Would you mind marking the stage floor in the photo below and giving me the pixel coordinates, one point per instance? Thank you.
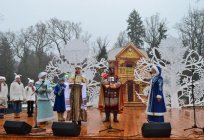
(131, 121)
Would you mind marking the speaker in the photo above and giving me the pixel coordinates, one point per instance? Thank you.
(17, 127)
(156, 129)
(66, 129)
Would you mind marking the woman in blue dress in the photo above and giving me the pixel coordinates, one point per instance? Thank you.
(59, 104)
(156, 104)
(44, 106)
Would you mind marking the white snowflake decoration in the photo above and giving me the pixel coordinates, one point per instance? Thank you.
(177, 63)
(77, 53)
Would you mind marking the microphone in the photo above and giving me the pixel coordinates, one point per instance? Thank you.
(75, 78)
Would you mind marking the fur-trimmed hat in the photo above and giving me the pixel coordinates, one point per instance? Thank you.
(2, 78)
(42, 74)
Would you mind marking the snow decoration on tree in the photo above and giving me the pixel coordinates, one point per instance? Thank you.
(180, 65)
(77, 53)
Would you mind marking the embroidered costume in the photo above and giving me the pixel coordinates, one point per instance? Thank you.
(156, 104)
(59, 104)
(77, 98)
(110, 98)
(43, 89)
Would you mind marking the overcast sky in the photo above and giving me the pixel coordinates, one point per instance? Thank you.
(98, 17)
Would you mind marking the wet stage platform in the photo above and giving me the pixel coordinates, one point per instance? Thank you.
(131, 121)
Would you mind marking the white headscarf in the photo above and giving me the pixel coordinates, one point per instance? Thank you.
(156, 69)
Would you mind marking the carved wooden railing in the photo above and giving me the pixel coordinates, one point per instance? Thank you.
(126, 71)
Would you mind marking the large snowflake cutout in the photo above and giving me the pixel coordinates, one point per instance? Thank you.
(77, 53)
(177, 63)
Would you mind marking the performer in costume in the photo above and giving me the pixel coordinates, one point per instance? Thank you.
(101, 102)
(17, 95)
(59, 104)
(156, 104)
(43, 89)
(77, 112)
(110, 88)
(30, 96)
(3, 96)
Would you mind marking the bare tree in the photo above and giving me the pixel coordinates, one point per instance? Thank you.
(34, 45)
(102, 44)
(19, 42)
(77, 30)
(155, 30)
(86, 37)
(192, 30)
(7, 61)
(122, 40)
(60, 32)
(10, 37)
(39, 40)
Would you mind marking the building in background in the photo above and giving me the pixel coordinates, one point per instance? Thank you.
(124, 60)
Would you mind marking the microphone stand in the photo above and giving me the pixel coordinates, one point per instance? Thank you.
(36, 128)
(194, 111)
(110, 128)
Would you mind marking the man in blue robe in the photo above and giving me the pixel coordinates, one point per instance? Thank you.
(156, 104)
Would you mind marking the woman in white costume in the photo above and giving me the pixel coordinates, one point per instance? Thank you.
(3, 96)
(17, 95)
(30, 96)
(44, 105)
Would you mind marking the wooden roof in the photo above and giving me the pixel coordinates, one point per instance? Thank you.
(116, 52)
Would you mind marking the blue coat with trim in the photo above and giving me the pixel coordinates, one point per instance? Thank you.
(59, 104)
(154, 107)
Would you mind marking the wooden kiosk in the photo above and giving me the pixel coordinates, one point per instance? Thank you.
(124, 60)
